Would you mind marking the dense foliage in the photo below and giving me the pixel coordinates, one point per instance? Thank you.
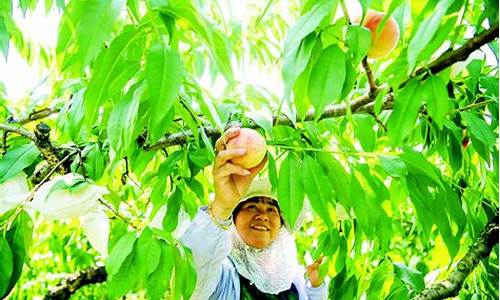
(395, 158)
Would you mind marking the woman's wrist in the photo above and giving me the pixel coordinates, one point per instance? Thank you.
(223, 223)
(220, 211)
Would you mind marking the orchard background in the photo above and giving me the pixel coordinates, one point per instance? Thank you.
(396, 157)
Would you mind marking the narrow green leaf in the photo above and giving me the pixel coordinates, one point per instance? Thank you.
(148, 252)
(216, 43)
(173, 206)
(422, 205)
(6, 266)
(382, 274)
(159, 281)
(121, 123)
(119, 253)
(436, 97)
(318, 188)
(290, 189)
(393, 165)
(125, 279)
(114, 68)
(339, 178)
(479, 129)
(425, 32)
(296, 61)
(4, 38)
(307, 23)
(364, 131)
(417, 164)
(92, 21)
(350, 79)
(441, 36)
(359, 40)
(167, 167)
(404, 115)
(164, 74)
(19, 237)
(410, 276)
(16, 159)
(327, 78)
(94, 162)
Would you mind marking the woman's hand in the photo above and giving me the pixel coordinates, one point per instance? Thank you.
(231, 181)
(312, 272)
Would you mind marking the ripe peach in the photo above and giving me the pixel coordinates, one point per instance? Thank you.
(387, 38)
(253, 142)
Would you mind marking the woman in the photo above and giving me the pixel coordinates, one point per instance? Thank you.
(255, 258)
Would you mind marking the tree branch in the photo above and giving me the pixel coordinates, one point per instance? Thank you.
(363, 104)
(18, 130)
(76, 281)
(478, 251)
(36, 115)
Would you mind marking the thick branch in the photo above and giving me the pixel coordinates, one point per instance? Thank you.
(479, 250)
(449, 58)
(357, 105)
(78, 280)
(51, 154)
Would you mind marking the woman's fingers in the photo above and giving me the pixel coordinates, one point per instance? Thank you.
(230, 169)
(226, 155)
(232, 132)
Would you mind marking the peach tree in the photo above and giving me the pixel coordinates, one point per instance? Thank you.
(393, 159)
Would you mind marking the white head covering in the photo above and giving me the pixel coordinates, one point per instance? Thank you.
(271, 269)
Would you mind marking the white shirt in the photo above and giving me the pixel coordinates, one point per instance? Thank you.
(217, 277)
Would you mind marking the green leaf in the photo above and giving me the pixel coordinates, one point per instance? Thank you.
(318, 188)
(170, 219)
(393, 165)
(307, 23)
(148, 252)
(411, 277)
(20, 237)
(6, 266)
(167, 167)
(296, 61)
(382, 274)
(425, 32)
(4, 38)
(417, 164)
(121, 123)
(16, 159)
(479, 129)
(422, 205)
(350, 78)
(339, 178)
(216, 43)
(442, 35)
(92, 21)
(125, 279)
(359, 40)
(94, 162)
(290, 189)
(159, 280)
(114, 67)
(119, 253)
(164, 74)
(327, 78)
(364, 131)
(436, 97)
(404, 115)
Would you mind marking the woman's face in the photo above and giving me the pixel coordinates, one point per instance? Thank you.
(258, 222)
